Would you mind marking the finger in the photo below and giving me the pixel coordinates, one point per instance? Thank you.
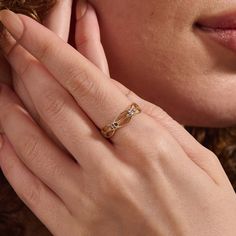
(24, 95)
(21, 90)
(203, 157)
(37, 196)
(90, 88)
(5, 75)
(87, 36)
(87, 32)
(54, 168)
(58, 19)
(93, 82)
(85, 82)
(18, 85)
(59, 110)
(5, 72)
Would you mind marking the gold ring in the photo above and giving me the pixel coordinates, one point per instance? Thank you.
(109, 130)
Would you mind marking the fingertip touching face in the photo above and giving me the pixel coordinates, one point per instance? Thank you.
(156, 48)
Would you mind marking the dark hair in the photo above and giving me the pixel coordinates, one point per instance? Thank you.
(223, 143)
(12, 210)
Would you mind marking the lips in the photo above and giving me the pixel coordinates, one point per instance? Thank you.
(221, 28)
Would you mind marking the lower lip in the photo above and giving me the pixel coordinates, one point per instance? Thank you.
(226, 37)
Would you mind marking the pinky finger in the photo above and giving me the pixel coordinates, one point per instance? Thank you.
(58, 19)
(37, 196)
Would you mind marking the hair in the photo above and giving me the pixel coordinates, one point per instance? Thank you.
(37, 9)
(221, 141)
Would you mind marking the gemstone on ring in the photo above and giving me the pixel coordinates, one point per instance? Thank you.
(109, 130)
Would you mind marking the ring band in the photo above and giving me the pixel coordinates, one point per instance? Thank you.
(109, 130)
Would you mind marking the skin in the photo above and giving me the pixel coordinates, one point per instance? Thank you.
(58, 20)
(134, 32)
(183, 65)
(143, 181)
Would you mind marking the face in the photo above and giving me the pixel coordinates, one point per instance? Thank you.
(155, 48)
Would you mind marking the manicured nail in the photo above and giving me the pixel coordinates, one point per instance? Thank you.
(81, 9)
(12, 23)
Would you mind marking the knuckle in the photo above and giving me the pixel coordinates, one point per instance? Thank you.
(108, 186)
(31, 194)
(110, 190)
(9, 112)
(161, 152)
(121, 191)
(45, 50)
(55, 171)
(52, 104)
(79, 84)
(156, 152)
(29, 147)
(26, 67)
(161, 145)
(156, 112)
(82, 41)
(212, 157)
(82, 87)
(117, 186)
(7, 166)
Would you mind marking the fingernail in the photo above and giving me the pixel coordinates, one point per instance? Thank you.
(81, 9)
(12, 23)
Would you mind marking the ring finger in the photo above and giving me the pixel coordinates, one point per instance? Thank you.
(99, 98)
(48, 162)
(57, 108)
(37, 196)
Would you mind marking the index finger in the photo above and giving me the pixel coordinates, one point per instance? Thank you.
(96, 95)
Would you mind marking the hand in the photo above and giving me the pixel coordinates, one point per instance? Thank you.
(58, 20)
(151, 178)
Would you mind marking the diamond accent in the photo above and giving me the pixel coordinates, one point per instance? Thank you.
(124, 118)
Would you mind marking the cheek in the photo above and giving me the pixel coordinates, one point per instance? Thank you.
(154, 50)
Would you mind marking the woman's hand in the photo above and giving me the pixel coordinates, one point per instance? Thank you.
(151, 178)
(58, 20)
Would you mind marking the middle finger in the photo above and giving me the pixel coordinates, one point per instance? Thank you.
(58, 109)
(96, 95)
(48, 162)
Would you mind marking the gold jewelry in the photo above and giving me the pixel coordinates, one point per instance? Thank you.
(109, 130)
